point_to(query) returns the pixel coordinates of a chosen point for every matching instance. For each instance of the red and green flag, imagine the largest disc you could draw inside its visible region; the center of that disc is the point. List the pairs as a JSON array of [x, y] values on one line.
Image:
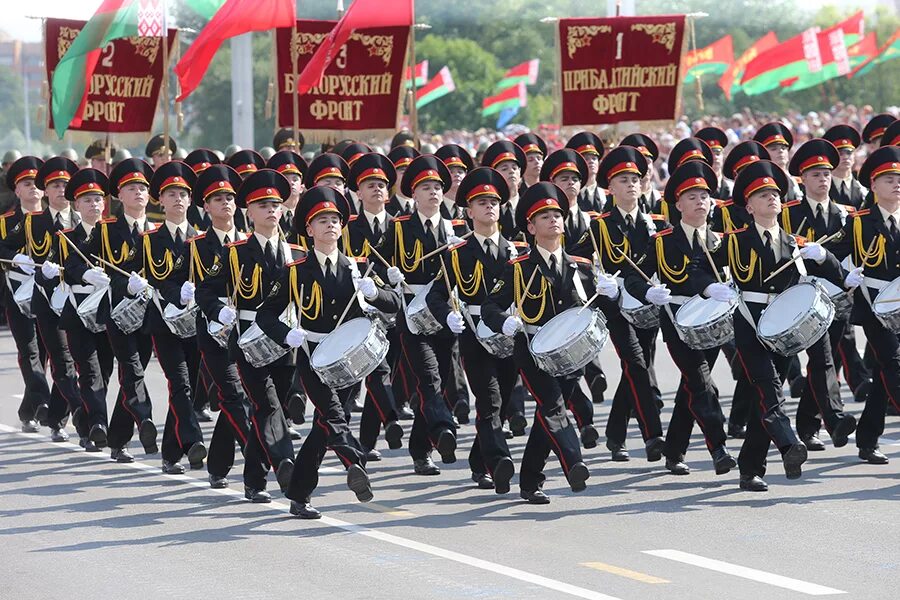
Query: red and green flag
[[441, 85], [714, 59], [421, 77], [731, 77], [113, 20], [838, 56], [513, 97], [526, 73], [890, 50], [204, 8]]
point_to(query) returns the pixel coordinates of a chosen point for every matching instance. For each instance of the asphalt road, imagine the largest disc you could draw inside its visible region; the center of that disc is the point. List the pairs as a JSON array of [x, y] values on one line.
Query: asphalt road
[[78, 524]]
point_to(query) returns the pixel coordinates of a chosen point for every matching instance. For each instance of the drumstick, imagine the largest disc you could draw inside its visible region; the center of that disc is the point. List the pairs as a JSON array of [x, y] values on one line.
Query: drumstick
[[75, 248], [110, 265], [453, 299], [594, 297], [794, 259], [712, 263], [353, 297], [33, 264], [440, 249], [634, 266], [388, 265], [596, 249], [800, 228]]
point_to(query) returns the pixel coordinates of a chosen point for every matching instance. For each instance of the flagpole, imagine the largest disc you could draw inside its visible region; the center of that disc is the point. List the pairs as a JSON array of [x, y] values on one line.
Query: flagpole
[[413, 109], [295, 38], [165, 82]]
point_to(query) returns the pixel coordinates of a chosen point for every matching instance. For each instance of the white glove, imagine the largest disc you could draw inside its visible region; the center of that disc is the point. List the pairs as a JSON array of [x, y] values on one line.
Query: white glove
[[855, 278], [607, 285], [226, 315], [395, 276], [95, 277], [721, 292], [295, 337], [136, 284], [187, 293], [50, 270], [512, 325], [24, 263], [453, 239], [367, 287], [659, 295], [813, 251], [456, 323]]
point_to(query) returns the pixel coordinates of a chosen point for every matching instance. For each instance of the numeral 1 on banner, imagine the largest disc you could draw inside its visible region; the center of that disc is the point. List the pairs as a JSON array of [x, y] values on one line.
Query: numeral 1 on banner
[[619, 45]]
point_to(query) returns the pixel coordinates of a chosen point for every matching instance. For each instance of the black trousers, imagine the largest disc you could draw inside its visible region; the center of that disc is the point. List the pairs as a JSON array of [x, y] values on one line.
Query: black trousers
[[132, 352], [552, 430], [847, 358], [884, 347], [429, 361], [31, 364], [330, 431], [455, 389], [379, 407], [179, 358], [401, 373], [93, 359], [822, 394], [62, 367]]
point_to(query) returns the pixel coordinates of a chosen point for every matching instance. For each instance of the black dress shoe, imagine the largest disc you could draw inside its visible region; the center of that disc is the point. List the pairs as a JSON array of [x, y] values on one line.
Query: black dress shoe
[[372, 455], [284, 473], [98, 435], [793, 458], [577, 476], [503, 474], [722, 460], [147, 434], [861, 393], [404, 413], [204, 416], [738, 432], [754, 484], [797, 386], [217, 483], [461, 412], [589, 437], [446, 447], [59, 435], [535, 497], [619, 452], [257, 496], [484, 481], [196, 455], [295, 435], [598, 387], [426, 466], [359, 484], [356, 406], [393, 435], [518, 423], [677, 466], [88, 445], [840, 435], [506, 431], [813, 443], [29, 426], [654, 448], [172, 468], [40, 414], [121, 455], [873, 456], [304, 510]]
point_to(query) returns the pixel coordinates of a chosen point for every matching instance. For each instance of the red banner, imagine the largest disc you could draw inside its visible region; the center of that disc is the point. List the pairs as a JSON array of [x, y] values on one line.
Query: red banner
[[124, 90], [620, 69], [361, 88]]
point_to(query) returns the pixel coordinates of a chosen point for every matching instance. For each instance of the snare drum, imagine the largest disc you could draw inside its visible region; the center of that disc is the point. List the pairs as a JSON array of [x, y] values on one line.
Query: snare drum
[[219, 333], [349, 353], [796, 318], [642, 316], [704, 323], [181, 321], [497, 344], [843, 301], [887, 306], [22, 296], [87, 310], [569, 341], [258, 348], [128, 315], [418, 317]]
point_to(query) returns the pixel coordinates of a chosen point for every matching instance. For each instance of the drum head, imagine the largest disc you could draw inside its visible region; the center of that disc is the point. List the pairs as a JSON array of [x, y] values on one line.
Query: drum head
[[891, 292], [561, 330], [483, 331], [700, 311], [418, 301], [787, 309], [629, 302], [341, 341], [830, 288]]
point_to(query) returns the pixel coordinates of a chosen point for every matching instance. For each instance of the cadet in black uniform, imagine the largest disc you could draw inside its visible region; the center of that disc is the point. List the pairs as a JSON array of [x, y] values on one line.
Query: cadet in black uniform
[[535, 149], [245, 163], [777, 139], [592, 197], [845, 187], [650, 201], [717, 140], [293, 167], [199, 160], [400, 157], [509, 160]]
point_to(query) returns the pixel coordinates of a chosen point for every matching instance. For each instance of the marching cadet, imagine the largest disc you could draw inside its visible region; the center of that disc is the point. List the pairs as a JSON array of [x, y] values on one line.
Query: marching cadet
[[329, 170], [215, 190], [199, 160], [650, 201], [564, 281], [752, 254], [717, 140], [459, 162], [473, 268], [293, 167], [117, 241], [168, 265], [410, 239], [371, 176], [777, 139], [400, 156], [669, 257], [535, 149], [726, 215], [245, 163], [99, 155], [590, 147], [319, 286], [509, 160], [845, 187], [35, 406], [247, 276], [875, 128], [350, 152], [287, 138], [891, 135], [158, 155], [872, 241], [622, 231], [89, 347]]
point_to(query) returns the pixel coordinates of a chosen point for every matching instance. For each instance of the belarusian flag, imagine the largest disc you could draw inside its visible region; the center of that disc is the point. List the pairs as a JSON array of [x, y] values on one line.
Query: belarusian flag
[[204, 8], [421, 74], [526, 73], [508, 98], [838, 58], [714, 59], [788, 62], [891, 49], [735, 71], [113, 20], [441, 85]]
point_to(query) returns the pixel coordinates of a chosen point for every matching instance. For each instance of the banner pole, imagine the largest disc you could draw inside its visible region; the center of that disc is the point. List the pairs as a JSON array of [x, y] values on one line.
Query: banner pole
[[413, 110], [295, 47], [165, 82]]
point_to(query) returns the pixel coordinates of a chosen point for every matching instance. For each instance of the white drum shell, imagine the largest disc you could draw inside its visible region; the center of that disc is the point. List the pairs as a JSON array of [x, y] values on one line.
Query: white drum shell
[[569, 341], [350, 353], [796, 319]]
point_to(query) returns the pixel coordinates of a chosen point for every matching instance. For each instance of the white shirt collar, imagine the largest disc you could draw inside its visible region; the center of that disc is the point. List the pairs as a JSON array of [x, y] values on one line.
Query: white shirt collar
[[814, 203], [64, 214], [633, 213], [321, 257], [689, 232], [382, 218], [774, 231], [142, 223], [435, 221], [87, 228], [513, 202], [545, 254], [172, 227], [232, 235], [263, 239], [495, 239], [885, 215], [405, 202]]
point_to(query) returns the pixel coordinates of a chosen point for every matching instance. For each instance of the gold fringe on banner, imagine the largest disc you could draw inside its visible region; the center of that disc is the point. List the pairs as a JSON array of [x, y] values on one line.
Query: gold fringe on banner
[[330, 136]]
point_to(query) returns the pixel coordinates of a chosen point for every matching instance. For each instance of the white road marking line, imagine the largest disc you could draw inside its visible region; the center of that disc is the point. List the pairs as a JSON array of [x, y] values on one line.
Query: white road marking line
[[882, 441], [614, 570], [280, 506], [796, 585]]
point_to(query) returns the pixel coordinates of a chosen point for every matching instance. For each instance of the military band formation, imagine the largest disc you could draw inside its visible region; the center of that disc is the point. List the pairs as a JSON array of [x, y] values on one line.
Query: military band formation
[[394, 284]]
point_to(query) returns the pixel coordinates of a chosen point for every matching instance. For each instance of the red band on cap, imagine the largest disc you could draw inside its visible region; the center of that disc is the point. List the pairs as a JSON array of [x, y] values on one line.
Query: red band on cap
[[248, 168], [373, 173], [26, 174], [354, 158], [320, 208], [427, 175], [891, 167], [775, 139], [815, 161], [532, 148], [844, 143], [893, 142], [760, 184], [328, 172], [135, 177], [877, 133], [503, 156], [57, 176], [714, 144], [691, 155], [587, 149], [565, 166], [482, 190], [454, 161], [288, 168], [403, 162], [645, 151], [88, 188], [266, 193], [625, 167], [744, 161], [690, 184], [218, 186], [175, 181], [200, 167], [540, 205]]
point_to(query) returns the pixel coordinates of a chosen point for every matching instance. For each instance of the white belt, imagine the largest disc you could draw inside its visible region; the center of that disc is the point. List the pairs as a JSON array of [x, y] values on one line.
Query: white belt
[[415, 288], [16, 276], [878, 284], [758, 297], [83, 289], [247, 315], [474, 309]]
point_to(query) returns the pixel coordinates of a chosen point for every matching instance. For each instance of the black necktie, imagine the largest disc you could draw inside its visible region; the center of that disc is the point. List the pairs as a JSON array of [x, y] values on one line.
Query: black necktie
[[845, 193], [554, 267], [226, 240], [769, 251], [629, 225], [892, 228], [489, 248], [135, 231], [696, 241], [819, 221], [178, 237], [330, 279], [376, 228], [58, 221], [429, 234], [270, 255]]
